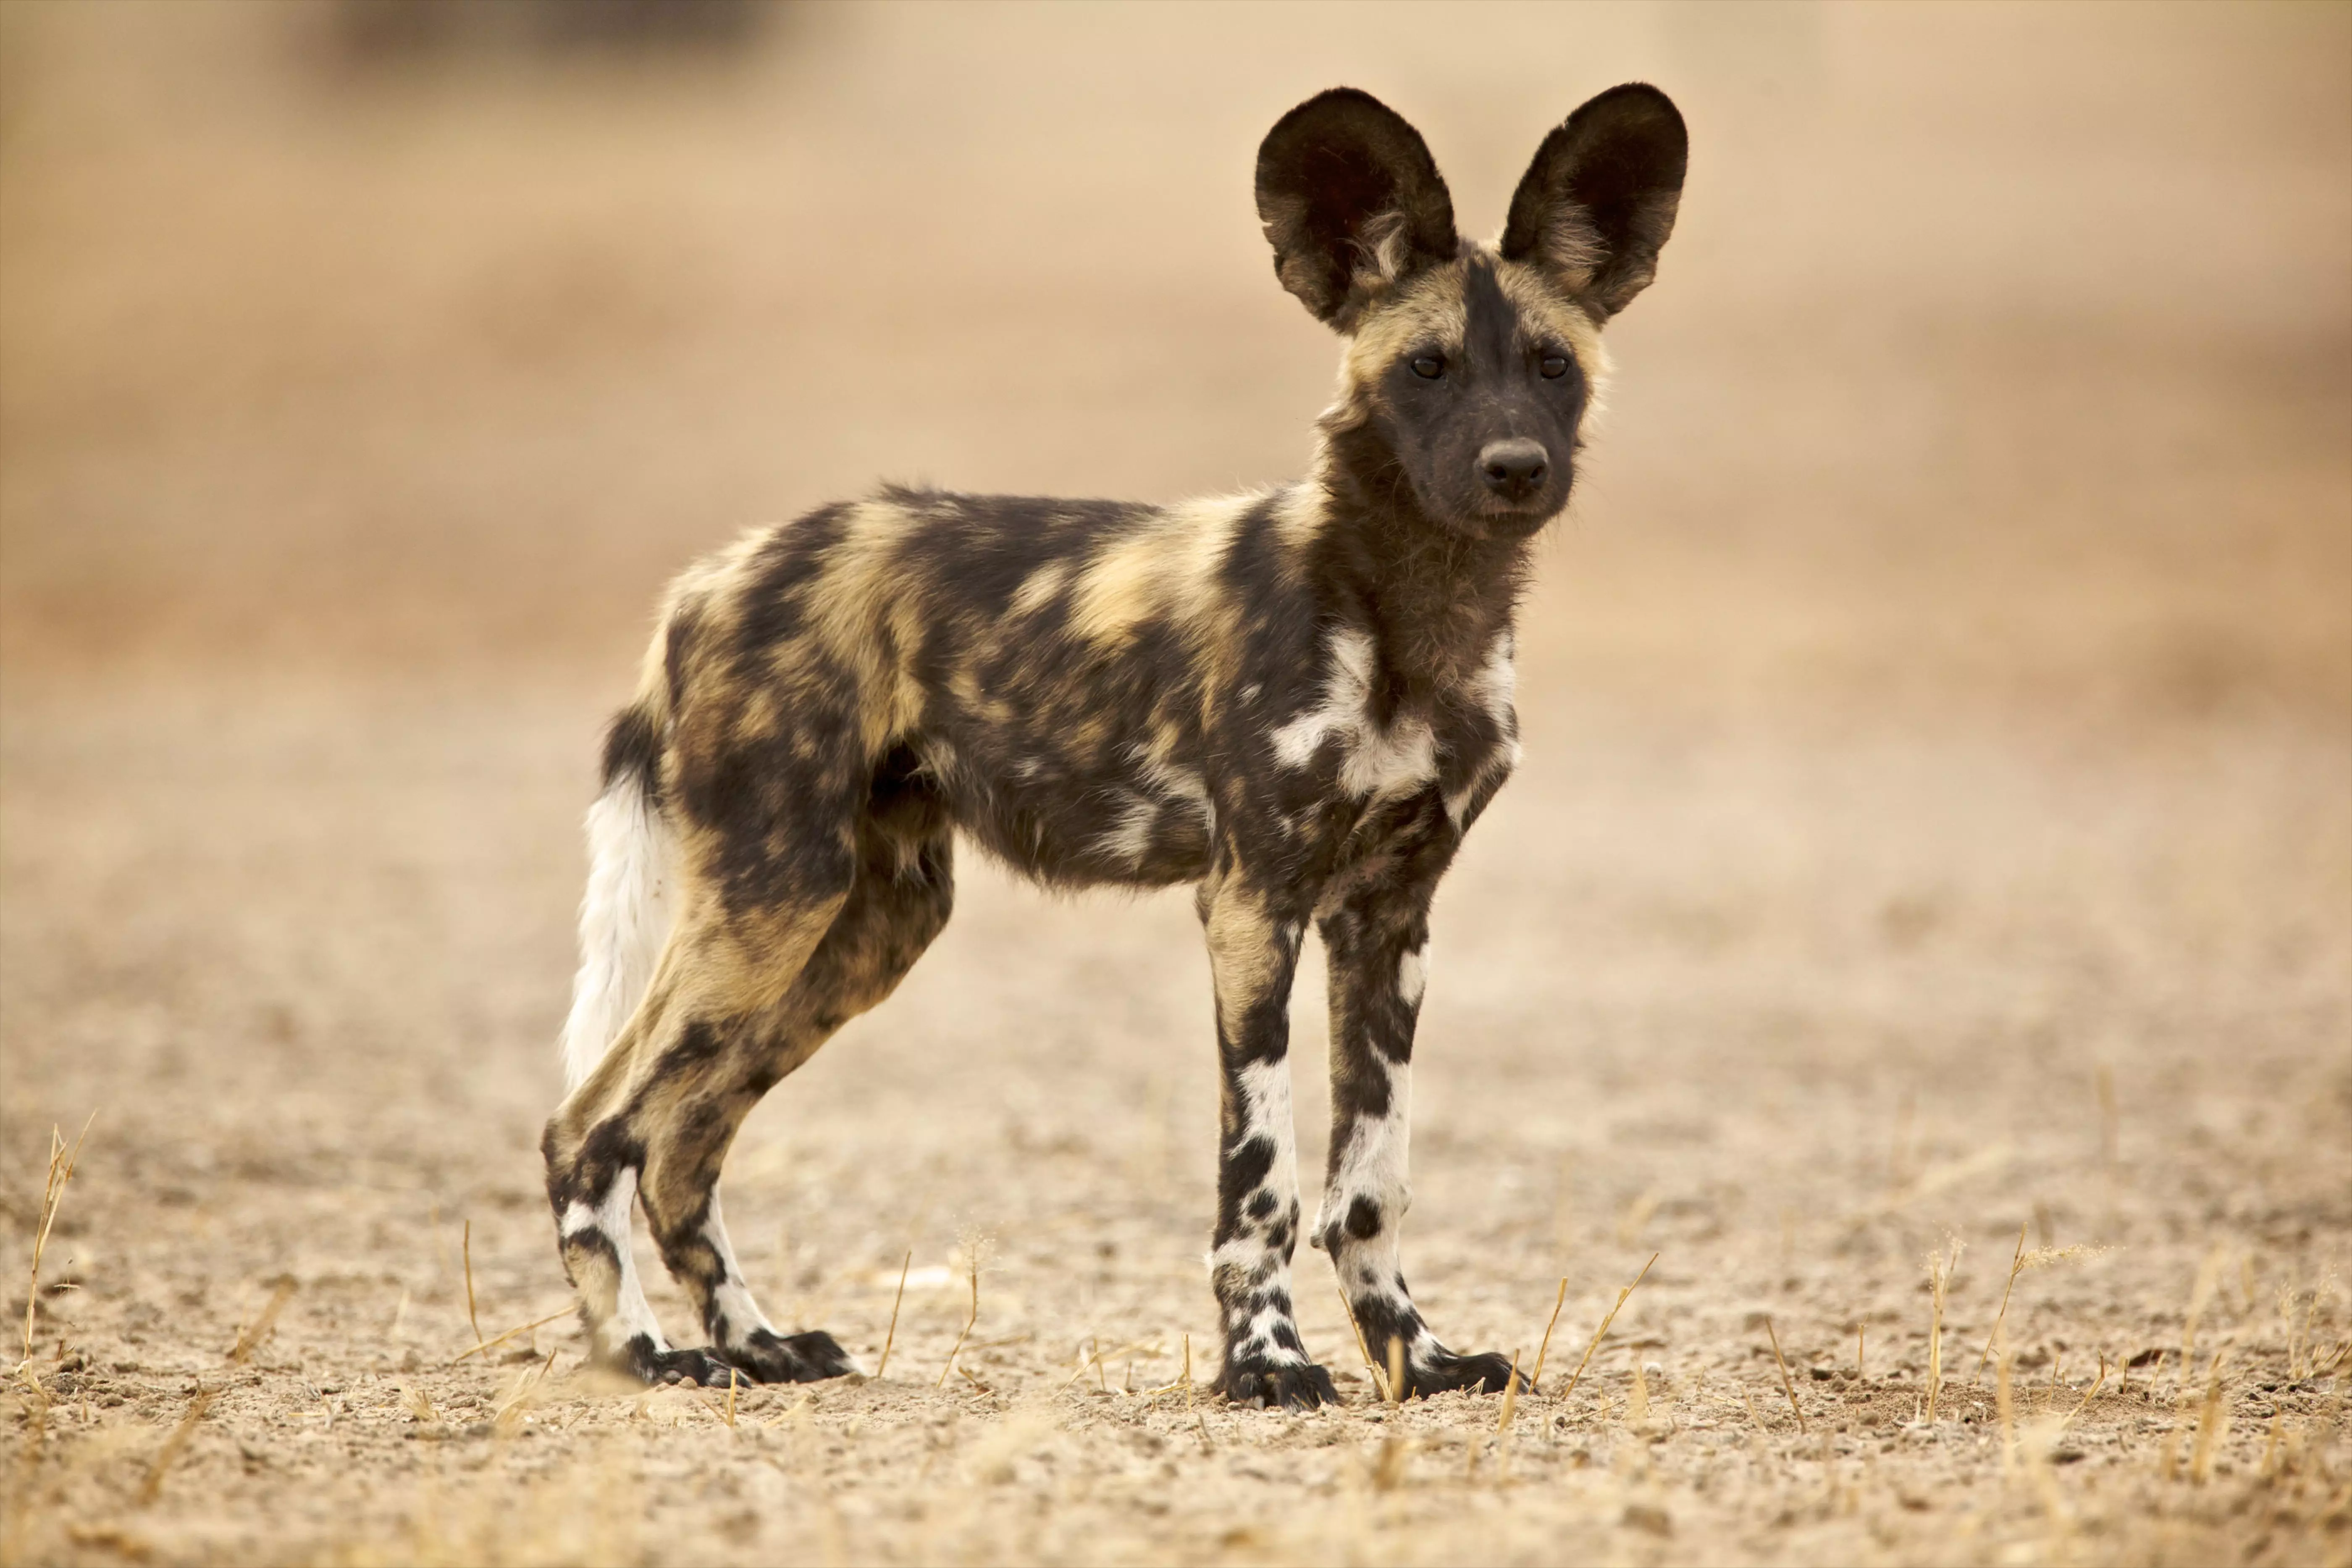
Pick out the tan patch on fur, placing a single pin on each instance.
(1167, 567)
(1243, 945)
(1037, 589)
(1428, 311)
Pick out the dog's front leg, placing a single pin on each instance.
(1254, 938)
(1377, 941)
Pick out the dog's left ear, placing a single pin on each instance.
(1598, 202)
(1351, 202)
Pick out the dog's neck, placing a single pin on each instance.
(1435, 599)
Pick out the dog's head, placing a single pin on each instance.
(1473, 364)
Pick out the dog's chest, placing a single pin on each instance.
(1346, 745)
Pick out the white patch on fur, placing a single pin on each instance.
(1265, 1091)
(1266, 1113)
(738, 1314)
(1375, 1164)
(632, 1313)
(624, 920)
(1373, 762)
(1413, 976)
(1496, 684)
(1495, 687)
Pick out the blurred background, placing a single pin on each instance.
(1938, 806)
(1998, 348)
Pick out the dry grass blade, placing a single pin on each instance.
(1380, 1381)
(1396, 1369)
(1603, 1332)
(152, 1487)
(2016, 1267)
(1787, 1386)
(1510, 1397)
(53, 1192)
(1544, 1348)
(891, 1338)
(2101, 1383)
(1940, 1279)
(466, 1250)
(957, 1349)
(493, 1343)
(248, 1339)
(2212, 1422)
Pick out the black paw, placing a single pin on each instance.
(768, 1357)
(1444, 1372)
(639, 1360)
(1275, 1385)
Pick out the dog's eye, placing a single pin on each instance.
(1429, 367)
(1555, 366)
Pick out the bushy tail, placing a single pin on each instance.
(625, 915)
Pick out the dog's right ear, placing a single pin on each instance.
(1352, 204)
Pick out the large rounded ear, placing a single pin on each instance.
(1352, 202)
(1598, 202)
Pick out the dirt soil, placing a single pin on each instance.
(1932, 859)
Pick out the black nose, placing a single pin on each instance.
(1514, 470)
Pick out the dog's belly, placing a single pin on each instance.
(1142, 822)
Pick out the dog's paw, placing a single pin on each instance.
(766, 1356)
(640, 1361)
(1446, 1372)
(1262, 1384)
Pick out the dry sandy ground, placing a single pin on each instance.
(1935, 827)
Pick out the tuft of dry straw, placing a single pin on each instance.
(957, 1349)
(2212, 1422)
(1543, 1348)
(53, 1192)
(1940, 1279)
(2025, 1262)
(153, 1486)
(506, 1417)
(891, 1338)
(248, 1339)
(1602, 1333)
(1787, 1386)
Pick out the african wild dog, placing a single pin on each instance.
(1298, 700)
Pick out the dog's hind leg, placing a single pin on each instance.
(654, 1115)
(900, 900)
